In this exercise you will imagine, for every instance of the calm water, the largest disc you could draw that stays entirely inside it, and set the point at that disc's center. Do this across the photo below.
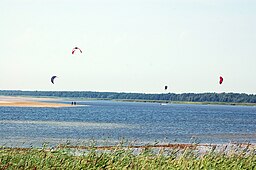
(108, 122)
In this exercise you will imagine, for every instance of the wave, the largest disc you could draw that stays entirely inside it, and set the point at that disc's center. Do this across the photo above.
(98, 125)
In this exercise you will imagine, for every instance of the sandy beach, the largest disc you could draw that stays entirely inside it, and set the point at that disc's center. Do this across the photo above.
(30, 102)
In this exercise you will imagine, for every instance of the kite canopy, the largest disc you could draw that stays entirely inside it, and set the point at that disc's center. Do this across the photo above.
(221, 80)
(76, 48)
(165, 87)
(52, 79)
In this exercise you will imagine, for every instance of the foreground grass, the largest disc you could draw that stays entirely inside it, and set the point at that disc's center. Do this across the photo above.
(123, 158)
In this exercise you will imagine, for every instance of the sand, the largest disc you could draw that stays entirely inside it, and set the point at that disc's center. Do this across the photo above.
(30, 102)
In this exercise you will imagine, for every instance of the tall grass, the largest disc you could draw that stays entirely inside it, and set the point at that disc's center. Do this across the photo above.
(124, 158)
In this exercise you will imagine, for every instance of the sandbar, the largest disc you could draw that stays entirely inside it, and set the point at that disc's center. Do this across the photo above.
(29, 102)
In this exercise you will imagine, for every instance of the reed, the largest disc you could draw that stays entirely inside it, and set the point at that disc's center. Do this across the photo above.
(120, 157)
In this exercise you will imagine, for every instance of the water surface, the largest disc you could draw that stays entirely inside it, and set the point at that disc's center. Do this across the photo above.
(109, 122)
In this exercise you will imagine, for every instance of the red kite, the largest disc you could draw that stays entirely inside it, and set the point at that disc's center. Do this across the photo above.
(221, 80)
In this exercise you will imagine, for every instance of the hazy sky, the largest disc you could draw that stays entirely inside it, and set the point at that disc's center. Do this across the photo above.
(129, 45)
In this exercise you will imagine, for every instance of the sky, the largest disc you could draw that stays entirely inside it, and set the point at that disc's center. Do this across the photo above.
(128, 45)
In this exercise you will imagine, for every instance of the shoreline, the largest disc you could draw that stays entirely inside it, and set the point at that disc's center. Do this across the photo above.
(9, 101)
(167, 102)
(201, 149)
(44, 99)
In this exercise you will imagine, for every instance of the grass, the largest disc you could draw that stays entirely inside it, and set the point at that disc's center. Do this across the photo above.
(119, 157)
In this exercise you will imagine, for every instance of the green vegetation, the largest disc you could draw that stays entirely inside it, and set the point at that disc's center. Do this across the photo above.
(123, 158)
(187, 102)
(210, 98)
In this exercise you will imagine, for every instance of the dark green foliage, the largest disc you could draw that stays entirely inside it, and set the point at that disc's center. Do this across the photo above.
(188, 97)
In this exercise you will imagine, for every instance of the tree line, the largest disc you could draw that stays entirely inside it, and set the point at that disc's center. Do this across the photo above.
(190, 97)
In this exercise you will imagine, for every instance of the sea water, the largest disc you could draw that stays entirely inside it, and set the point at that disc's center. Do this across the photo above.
(109, 122)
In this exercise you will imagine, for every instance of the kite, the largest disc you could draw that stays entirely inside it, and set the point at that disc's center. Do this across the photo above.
(76, 48)
(52, 79)
(165, 87)
(221, 80)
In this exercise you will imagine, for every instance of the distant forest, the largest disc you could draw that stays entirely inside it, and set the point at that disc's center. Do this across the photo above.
(189, 97)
